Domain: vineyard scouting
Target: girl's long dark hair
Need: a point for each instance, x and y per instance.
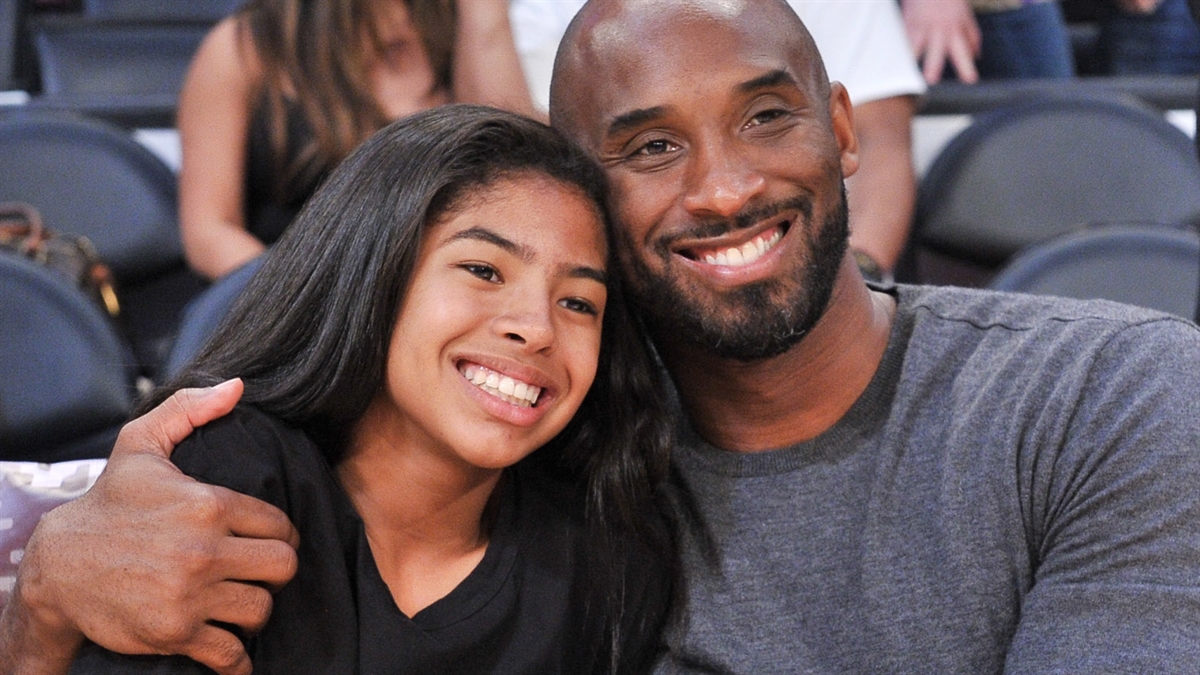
(310, 333)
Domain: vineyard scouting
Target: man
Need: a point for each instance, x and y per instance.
(864, 47)
(867, 479)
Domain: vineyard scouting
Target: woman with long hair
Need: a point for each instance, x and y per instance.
(447, 394)
(282, 90)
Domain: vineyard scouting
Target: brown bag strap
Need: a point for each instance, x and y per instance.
(21, 221)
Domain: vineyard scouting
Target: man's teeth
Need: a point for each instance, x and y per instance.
(747, 253)
(503, 387)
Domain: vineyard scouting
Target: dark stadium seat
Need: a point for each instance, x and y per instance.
(1155, 266)
(1028, 170)
(10, 22)
(160, 10)
(93, 179)
(81, 60)
(65, 382)
(203, 314)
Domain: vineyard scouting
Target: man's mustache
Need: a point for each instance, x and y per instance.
(747, 218)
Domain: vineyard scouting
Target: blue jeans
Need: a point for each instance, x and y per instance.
(1166, 42)
(1028, 42)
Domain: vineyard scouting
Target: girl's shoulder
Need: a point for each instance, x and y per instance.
(252, 452)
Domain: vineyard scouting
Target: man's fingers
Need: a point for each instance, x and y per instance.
(262, 545)
(220, 650)
(245, 605)
(161, 429)
(265, 561)
(254, 518)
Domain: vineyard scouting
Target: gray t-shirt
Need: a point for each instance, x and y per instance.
(1017, 491)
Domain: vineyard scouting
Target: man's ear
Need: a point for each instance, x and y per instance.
(841, 115)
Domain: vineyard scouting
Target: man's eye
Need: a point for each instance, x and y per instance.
(767, 116)
(483, 271)
(578, 305)
(659, 147)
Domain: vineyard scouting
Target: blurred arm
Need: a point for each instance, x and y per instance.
(882, 193)
(486, 67)
(214, 113)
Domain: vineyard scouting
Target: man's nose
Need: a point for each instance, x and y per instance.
(721, 182)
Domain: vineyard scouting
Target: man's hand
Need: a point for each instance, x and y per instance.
(942, 30)
(150, 561)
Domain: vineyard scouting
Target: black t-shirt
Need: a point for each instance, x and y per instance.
(269, 209)
(528, 607)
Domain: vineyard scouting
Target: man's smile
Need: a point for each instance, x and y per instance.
(737, 256)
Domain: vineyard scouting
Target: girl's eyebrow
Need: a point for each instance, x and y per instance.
(523, 252)
(483, 234)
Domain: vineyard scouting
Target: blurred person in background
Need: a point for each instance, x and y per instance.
(282, 90)
(989, 39)
(865, 49)
(1149, 37)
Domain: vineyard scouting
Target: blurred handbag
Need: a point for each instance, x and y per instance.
(71, 257)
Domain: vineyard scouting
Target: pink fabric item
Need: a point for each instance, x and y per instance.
(27, 490)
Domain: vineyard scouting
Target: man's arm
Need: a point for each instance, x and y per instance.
(883, 192)
(149, 560)
(1115, 520)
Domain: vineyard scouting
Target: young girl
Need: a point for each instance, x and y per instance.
(282, 90)
(422, 397)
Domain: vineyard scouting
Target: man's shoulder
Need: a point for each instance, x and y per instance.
(1022, 313)
(1016, 344)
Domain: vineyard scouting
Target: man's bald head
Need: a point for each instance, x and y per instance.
(607, 36)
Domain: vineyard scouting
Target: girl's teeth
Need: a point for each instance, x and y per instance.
(502, 386)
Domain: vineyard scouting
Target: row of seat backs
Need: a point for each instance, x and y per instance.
(209, 11)
(93, 179)
(1036, 168)
(1077, 194)
(78, 60)
(67, 382)
(10, 13)
(125, 53)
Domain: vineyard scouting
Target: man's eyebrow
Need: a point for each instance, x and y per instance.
(766, 81)
(634, 118)
(483, 234)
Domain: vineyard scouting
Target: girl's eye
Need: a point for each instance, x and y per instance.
(482, 271)
(578, 305)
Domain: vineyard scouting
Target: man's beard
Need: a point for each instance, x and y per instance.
(752, 322)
